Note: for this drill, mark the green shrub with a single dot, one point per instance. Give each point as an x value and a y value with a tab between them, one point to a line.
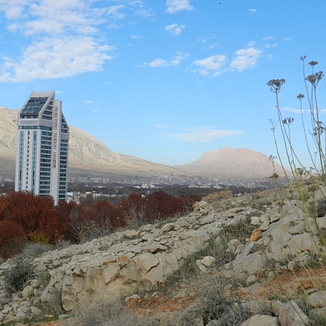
240	231
218	304
17	276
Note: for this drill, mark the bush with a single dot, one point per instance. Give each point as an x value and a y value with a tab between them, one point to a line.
221	302
109	314
17	276
33	250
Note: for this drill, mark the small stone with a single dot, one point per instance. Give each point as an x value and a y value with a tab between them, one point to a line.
255	235
35	311
254	220
208	261
27	292
35	284
168	227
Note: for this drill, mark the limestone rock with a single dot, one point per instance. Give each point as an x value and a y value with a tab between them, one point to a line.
261	320
27	291
290	314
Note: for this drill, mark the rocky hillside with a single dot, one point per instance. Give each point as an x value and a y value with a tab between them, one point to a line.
223	264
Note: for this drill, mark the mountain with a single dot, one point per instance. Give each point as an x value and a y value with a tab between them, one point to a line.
228	163
87	155
91	157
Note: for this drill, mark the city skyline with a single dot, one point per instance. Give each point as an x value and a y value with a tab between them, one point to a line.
164	81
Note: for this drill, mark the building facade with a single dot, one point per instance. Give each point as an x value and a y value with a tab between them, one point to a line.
42	147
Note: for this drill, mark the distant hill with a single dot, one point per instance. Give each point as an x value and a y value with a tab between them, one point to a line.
240	163
91	157
87	155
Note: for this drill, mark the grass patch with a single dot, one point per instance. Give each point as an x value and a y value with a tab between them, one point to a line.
241	231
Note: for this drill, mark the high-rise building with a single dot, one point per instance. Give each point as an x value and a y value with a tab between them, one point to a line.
42	147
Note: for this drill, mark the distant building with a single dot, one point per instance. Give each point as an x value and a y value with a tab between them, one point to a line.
42	147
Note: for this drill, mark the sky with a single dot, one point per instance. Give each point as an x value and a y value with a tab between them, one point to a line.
165	80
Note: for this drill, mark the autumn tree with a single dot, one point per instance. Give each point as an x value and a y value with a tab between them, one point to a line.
36	217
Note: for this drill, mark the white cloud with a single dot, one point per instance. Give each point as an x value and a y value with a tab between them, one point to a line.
268	38
88	101
64	42
210	66
204	134
271	46
158	62
138	8
268	45
114	12
252	10
55	58
245	58
174	29
160	126
297	111
174	6
12	9
53	17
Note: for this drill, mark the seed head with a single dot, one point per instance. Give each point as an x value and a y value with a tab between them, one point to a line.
276	84
313	63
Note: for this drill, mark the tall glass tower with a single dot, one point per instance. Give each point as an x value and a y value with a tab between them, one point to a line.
42	147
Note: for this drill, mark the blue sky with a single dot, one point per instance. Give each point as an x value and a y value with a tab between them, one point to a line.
163	80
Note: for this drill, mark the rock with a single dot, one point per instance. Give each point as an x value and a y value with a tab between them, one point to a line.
20	315
198	321
255	235
35	284
290	314
202	208
254	220
28	291
261	320
168	227
131	234
35	311
318	299
208	261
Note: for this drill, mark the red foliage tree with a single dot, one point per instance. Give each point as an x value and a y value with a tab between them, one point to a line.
33	214
12	238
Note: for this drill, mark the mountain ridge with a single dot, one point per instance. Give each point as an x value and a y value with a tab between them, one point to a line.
89	156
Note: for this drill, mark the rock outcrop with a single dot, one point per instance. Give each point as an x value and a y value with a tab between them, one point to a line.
126	261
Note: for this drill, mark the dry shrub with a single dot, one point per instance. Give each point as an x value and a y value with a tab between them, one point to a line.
108	314
17	275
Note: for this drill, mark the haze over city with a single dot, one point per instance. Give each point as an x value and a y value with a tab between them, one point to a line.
166	80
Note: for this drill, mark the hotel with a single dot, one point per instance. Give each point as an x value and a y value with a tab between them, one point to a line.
42	147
